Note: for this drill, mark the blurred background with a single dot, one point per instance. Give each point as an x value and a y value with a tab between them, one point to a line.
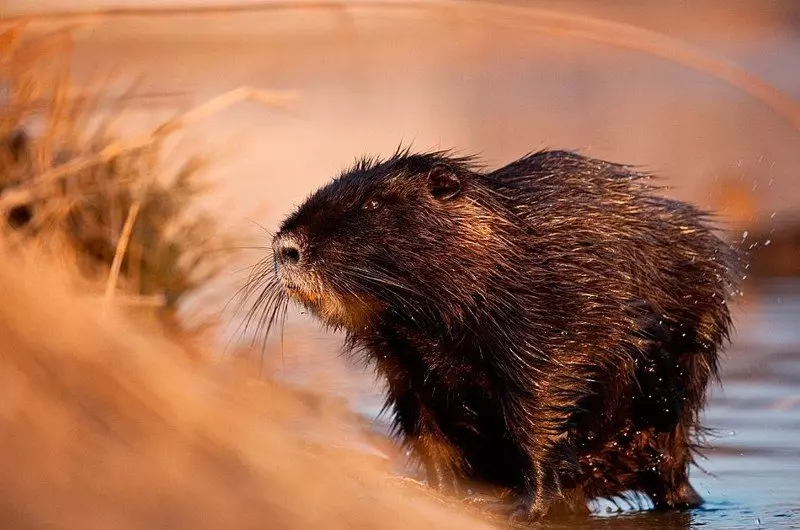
497	80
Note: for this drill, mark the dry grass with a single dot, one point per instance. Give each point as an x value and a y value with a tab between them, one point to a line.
68	184
104	425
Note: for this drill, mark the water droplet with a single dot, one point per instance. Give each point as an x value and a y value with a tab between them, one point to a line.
767	242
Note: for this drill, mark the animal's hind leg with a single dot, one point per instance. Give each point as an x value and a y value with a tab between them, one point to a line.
673	378
667	483
672	494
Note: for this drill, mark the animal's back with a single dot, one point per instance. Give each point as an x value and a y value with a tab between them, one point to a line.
613	236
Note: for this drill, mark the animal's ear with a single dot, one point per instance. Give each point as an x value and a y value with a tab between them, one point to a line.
443	183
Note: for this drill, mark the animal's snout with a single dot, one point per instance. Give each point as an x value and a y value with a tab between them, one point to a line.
288	249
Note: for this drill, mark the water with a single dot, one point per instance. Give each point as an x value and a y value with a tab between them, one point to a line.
756	460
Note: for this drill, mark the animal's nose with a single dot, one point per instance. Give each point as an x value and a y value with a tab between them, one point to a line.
287	249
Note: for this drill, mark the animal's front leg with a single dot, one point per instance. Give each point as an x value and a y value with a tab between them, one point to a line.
544	486
439	456
547	454
441	463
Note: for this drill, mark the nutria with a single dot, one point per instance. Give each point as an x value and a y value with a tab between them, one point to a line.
546	330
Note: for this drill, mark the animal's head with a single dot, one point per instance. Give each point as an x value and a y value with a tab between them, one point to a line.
410	235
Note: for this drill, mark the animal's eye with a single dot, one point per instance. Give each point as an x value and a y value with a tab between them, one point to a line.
371	205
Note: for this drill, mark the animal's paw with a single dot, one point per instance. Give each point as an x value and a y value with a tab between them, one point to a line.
489	504
444	478
528	509
546	487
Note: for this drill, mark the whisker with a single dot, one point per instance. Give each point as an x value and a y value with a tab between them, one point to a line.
283	328
258	273
267	231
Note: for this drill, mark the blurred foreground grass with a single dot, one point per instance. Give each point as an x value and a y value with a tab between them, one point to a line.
105	424
101	203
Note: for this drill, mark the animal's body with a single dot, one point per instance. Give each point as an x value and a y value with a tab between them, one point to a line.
548	329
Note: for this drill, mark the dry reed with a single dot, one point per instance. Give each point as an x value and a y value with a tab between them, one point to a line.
72	185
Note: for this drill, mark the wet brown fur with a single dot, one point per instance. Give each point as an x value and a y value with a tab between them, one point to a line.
546	330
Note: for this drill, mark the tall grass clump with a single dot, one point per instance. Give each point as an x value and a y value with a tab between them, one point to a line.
98	202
